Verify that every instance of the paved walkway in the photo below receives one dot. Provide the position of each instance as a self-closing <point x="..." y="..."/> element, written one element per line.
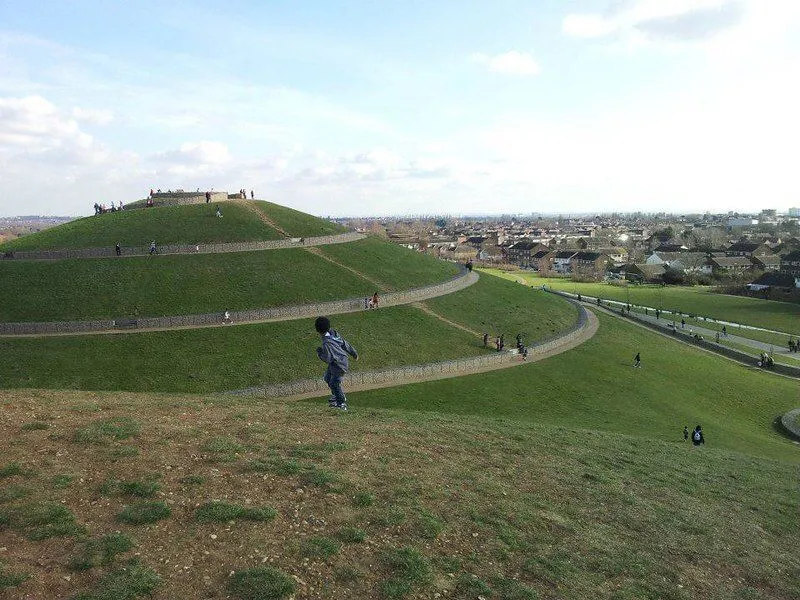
<point x="221" y="248"/>
<point x="370" y="380"/>
<point x="708" y="334"/>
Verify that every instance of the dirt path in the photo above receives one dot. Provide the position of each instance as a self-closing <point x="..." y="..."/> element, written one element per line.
<point x="249" y="205"/>
<point x="427" y="310"/>
<point x="380" y="286"/>
<point x="514" y="360"/>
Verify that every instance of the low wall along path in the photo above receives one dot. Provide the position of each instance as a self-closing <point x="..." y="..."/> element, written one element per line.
<point x="583" y="330"/>
<point x="261" y="315"/>
<point x="324" y="240"/>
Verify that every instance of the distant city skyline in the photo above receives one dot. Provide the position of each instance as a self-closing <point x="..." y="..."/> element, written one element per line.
<point x="357" y="108"/>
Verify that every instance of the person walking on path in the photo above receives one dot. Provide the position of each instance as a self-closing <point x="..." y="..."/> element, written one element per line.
<point x="375" y="300"/>
<point x="153" y="247"/>
<point x="485" y="339"/>
<point x="685" y="433"/>
<point x="725" y="330"/>
<point x="683" y="324"/>
<point x="637" y="360"/>
<point x="334" y="351"/>
<point x="502" y="341"/>
<point x="118" y="249"/>
<point x="697" y="436"/>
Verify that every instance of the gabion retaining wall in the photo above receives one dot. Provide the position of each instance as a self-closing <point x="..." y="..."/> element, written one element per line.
<point x="414" y="373"/>
<point x="684" y="336"/>
<point x="323" y="240"/>
<point x="278" y="313"/>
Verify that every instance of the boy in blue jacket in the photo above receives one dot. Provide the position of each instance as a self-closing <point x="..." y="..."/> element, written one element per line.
<point x="335" y="352"/>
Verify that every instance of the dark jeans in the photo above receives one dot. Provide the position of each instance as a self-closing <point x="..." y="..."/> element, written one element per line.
<point x="334" y="382"/>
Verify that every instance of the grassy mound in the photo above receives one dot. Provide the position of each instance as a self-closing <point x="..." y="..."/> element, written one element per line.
<point x="194" y="224"/>
<point x="496" y="306"/>
<point x="459" y="505"/>
<point x="228" y="358"/>
<point x="395" y="267"/>
<point x="296" y="223"/>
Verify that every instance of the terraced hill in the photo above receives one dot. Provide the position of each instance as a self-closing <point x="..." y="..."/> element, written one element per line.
<point x="219" y="357"/>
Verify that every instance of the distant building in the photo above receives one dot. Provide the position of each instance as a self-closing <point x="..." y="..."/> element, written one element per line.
<point x="730" y="265"/>
<point x="794" y="212"/>
<point x="790" y="264"/>
<point x="748" y="249"/>
<point x="522" y="253"/>
<point x="589" y="264"/>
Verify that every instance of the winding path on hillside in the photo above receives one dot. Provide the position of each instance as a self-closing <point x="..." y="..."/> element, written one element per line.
<point x="242" y="317"/>
<point x="583" y="330"/>
<point x="170" y="249"/>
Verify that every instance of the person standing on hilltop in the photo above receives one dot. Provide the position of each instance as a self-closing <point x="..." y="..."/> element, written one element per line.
<point x="252" y="195"/>
<point x="334" y="351"/>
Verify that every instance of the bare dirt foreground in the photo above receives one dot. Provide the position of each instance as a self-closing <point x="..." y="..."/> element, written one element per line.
<point x="122" y="496"/>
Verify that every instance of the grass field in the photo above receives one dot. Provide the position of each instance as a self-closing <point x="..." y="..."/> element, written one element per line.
<point x="225" y="358"/>
<point x="296" y="223"/>
<point x="779" y="316"/>
<point x="595" y="386"/>
<point x="190" y="284"/>
<point x="194" y="224"/>
<point x="495" y="306"/>
<point x="396" y="267"/>
<point x="377" y="504"/>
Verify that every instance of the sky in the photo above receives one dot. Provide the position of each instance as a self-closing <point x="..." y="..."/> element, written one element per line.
<point x="389" y="107"/>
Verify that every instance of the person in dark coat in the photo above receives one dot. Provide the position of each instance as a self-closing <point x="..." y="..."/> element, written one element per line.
<point x="697" y="436"/>
<point x="685" y="433"/>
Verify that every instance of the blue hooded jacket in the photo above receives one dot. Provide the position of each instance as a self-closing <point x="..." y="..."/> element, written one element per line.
<point x="336" y="351"/>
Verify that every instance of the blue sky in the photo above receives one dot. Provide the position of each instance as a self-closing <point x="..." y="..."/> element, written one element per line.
<point x="388" y="107"/>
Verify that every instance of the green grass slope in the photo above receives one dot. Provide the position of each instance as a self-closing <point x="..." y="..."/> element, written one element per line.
<point x="82" y="289"/>
<point x="296" y="223"/>
<point x="193" y="224"/>
<point x="225" y="358"/>
<point x="595" y="386"/>
<point x="780" y="316"/>
<point x="396" y="267"/>
<point x="496" y="306"/>
<point x="379" y="504"/>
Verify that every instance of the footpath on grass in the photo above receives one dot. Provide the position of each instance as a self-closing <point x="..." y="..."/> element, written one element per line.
<point x="242" y="317"/>
<point x="692" y="329"/>
<point x="221" y="248"/>
<point x="585" y="327"/>
<point x="665" y="327"/>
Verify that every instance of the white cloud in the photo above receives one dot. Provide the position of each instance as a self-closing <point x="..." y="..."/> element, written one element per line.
<point x="195" y="153"/>
<point x="678" y="20"/>
<point x="93" y="116"/>
<point x="32" y="128"/>
<point x="509" y="63"/>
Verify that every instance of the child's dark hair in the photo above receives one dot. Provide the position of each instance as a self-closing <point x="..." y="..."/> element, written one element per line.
<point x="322" y="324"/>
